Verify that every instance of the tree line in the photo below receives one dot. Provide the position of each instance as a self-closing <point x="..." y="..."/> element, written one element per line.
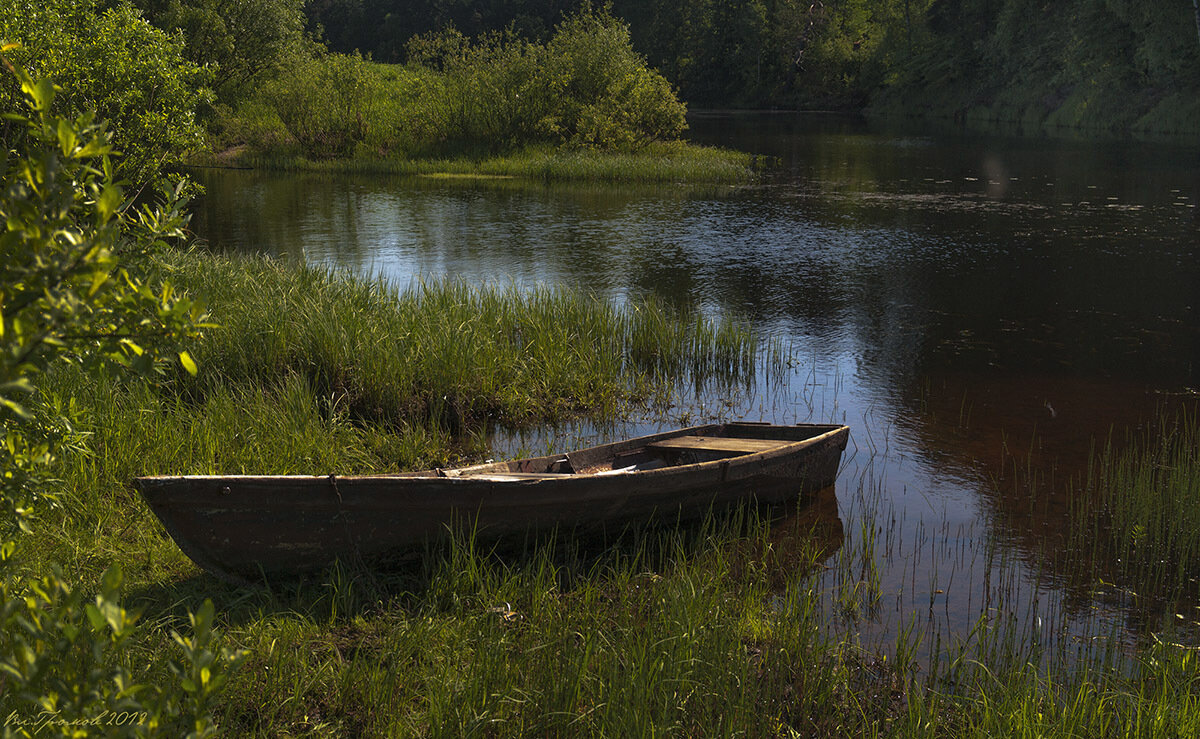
<point x="1100" y="63"/>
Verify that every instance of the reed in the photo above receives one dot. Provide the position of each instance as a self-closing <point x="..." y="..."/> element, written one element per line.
<point x="444" y="353"/>
<point x="1138" y="513"/>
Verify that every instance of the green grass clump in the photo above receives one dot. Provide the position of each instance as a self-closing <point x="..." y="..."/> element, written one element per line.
<point x="1140" y="509"/>
<point x="658" y="162"/>
<point x="444" y="353"/>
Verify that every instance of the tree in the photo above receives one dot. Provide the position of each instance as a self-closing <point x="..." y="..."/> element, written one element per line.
<point x="111" y="62"/>
<point x="239" y="42"/>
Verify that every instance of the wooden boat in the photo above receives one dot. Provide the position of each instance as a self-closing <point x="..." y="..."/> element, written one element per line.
<point x="244" y="527"/>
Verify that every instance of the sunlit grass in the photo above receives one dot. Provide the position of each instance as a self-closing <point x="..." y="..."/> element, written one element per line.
<point x="661" y="162"/>
<point x="446" y="353"/>
<point x="718" y="629"/>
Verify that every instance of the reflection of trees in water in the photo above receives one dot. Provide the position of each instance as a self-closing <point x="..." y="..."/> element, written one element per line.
<point x="1029" y="441"/>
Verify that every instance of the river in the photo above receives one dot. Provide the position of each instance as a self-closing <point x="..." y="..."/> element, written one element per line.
<point x="980" y="309"/>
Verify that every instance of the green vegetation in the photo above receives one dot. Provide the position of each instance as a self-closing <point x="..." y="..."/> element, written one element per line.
<point x="1140" y="511"/>
<point x="1112" y="65"/>
<point x="499" y="104"/>
<point x="71" y="291"/>
<point x="658" y="162"/>
<point x="110" y="368"/>
<point x="240" y="44"/>
<point x="143" y="89"/>
<point x="445" y="354"/>
<point x="727" y="627"/>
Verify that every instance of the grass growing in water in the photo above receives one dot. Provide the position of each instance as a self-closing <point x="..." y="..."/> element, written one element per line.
<point x="443" y="352"/>
<point x="1140" y="509"/>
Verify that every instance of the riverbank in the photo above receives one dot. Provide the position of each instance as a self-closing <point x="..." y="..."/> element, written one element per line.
<point x="739" y="625"/>
<point x="657" y="162"/>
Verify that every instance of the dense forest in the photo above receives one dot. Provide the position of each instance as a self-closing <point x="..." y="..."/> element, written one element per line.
<point x="1114" y="64"/>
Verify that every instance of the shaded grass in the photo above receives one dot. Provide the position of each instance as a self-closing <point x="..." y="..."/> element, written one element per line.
<point x="659" y="162"/>
<point x="1139" y="509"/>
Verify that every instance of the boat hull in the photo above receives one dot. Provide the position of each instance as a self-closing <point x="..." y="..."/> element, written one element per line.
<point x="247" y="527"/>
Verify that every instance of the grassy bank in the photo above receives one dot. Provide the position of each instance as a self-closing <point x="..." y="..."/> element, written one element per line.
<point x="661" y="162"/>
<point x="309" y="369"/>
<point x="444" y="352"/>
<point x="731" y="627"/>
<point x="582" y="105"/>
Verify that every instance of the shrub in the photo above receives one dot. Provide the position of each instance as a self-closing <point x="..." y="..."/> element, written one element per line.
<point x="66" y="294"/>
<point x="585" y="88"/>
<point x="111" y="62"/>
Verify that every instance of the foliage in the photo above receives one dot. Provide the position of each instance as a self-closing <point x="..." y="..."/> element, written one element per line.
<point x="1098" y="63"/>
<point x="109" y="61"/>
<point x="66" y="294"/>
<point x="240" y="43"/>
<point x="607" y="96"/>
<point x="586" y="87"/>
<point x="325" y="108"/>
<point x="1110" y="65"/>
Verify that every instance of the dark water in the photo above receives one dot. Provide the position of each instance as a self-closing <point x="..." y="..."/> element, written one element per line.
<point x="962" y="302"/>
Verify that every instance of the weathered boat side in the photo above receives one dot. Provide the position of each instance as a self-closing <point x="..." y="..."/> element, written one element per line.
<point x="240" y="527"/>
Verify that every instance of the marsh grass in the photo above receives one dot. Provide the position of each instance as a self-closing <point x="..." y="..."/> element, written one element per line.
<point x="444" y="354"/>
<point x="1139" y="510"/>
<point x="657" y="162"/>
<point x="727" y="627"/>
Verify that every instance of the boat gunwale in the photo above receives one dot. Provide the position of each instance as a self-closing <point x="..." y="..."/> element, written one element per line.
<point x="567" y="477"/>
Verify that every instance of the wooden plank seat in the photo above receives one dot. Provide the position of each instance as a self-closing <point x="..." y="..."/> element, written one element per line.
<point x="500" y="476"/>
<point x="717" y="444"/>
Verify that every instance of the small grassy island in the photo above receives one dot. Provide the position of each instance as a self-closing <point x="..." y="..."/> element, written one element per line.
<point x="124" y="351"/>
<point x="582" y="105"/>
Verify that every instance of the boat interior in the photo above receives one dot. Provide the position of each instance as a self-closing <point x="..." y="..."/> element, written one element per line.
<point x="702" y="444"/>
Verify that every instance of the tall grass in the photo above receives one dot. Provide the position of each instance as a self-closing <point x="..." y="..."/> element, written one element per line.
<point x="1138" y="513"/>
<point x="656" y="162"/>
<point x="727" y="628"/>
<point x="444" y="352"/>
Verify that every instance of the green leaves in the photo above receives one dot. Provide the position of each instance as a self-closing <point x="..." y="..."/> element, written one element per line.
<point x="113" y="62"/>
<point x="72" y="271"/>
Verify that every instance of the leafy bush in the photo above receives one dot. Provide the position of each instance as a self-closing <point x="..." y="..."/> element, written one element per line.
<point x="65" y="294"/>
<point x="608" y="96"/>
<point x="241" y="43"/>
<point x="112" y="62"/>
<point x="326" y="104"/>
<point x="585" y="88"/>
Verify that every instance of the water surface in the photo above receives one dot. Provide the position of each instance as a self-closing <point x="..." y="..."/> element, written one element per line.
<point x="961" y="301"/>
